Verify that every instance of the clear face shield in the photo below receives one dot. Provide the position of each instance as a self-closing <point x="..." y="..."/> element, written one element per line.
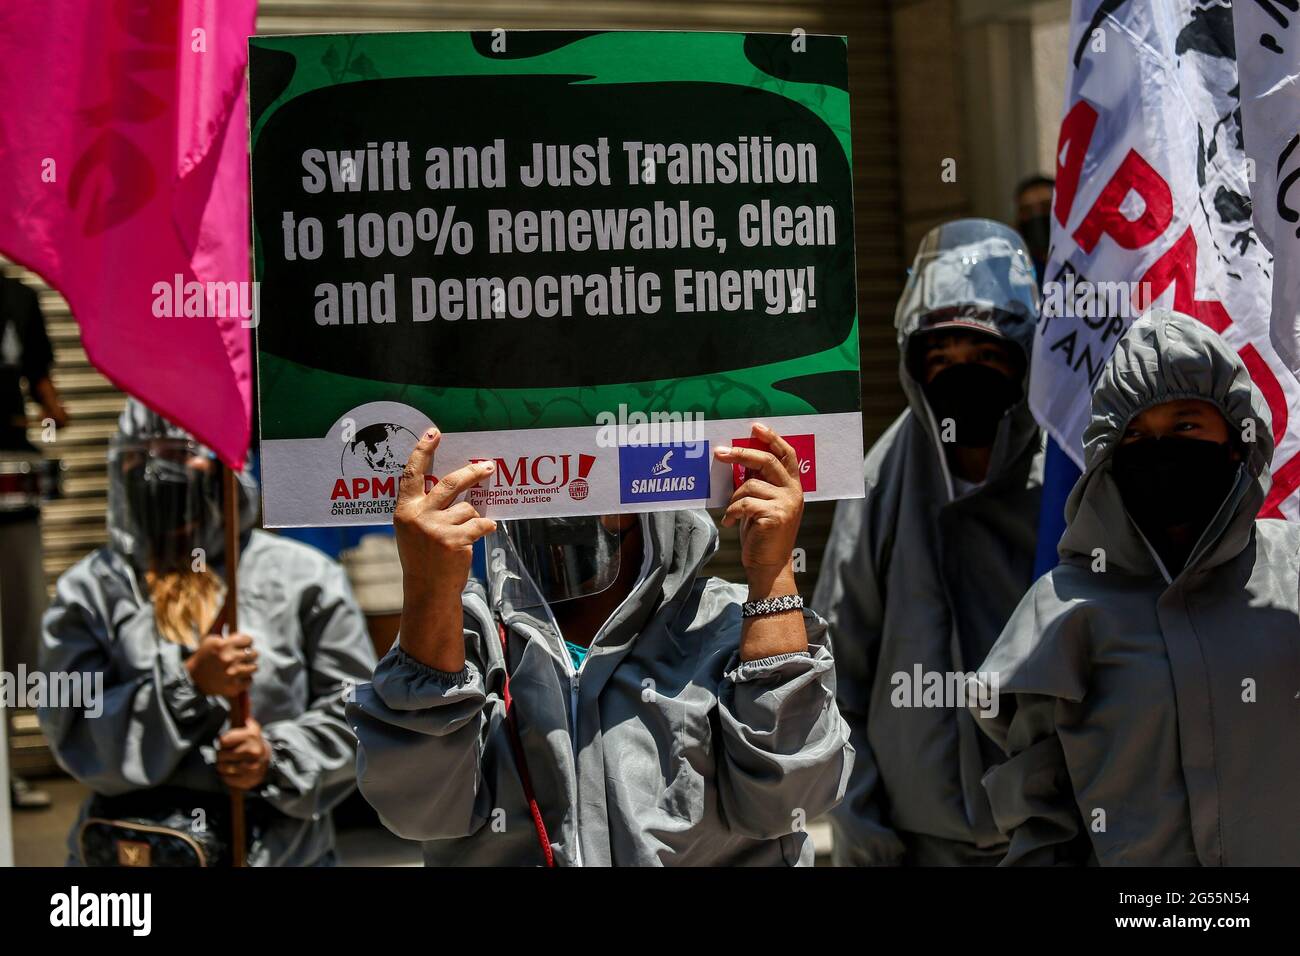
<point x="165" y="495"/>
<point x="972" y="273"/>
<point x="550" y="560"/>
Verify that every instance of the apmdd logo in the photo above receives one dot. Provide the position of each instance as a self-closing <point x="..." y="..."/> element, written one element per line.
<point x="369" y="468"/>
<point x="663" y="472"/>
<point x="805" y="447"/>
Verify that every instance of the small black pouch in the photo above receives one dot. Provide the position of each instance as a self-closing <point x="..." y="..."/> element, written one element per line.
<point x="160" y="827"/>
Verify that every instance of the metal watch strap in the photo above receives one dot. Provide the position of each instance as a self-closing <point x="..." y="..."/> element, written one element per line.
<point x="772" y="605"/>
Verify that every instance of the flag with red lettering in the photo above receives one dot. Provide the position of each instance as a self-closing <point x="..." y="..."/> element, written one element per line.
<point x="124" y="159"/>
<point x="1152" y="208"/>
<point x="1268" y="36"/>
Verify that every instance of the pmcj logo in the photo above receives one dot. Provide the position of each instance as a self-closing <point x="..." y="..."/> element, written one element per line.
<point x="663" y="472"/>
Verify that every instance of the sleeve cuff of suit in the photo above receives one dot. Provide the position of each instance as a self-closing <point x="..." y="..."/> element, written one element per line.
<point x="279" y="783"/>
<point x="403" y="683"/>
<point x="778" y="665"/>
<point x="184" y="700"/>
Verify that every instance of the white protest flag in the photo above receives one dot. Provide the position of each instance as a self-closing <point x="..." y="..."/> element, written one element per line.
<point x="1268" y="41"/>
<point x="1152" y="209"/>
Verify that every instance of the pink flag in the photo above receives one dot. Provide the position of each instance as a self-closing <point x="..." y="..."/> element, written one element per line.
<point x="124" y="159"/>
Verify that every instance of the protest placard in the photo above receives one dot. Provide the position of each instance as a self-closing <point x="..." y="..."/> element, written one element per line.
<point x="592" y="257"/>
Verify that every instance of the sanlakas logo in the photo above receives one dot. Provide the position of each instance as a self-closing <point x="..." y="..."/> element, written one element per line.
<point x="663" y="472"/>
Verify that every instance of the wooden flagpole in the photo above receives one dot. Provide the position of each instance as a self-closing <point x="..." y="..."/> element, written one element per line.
<point x="239" y="704"/>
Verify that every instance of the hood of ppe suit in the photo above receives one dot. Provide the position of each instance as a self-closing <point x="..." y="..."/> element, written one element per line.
<point x="1166" y="356"/>
<point x="140" y="423"/>
<point x="1122" y="687"/>
<point x="975" y="274"/>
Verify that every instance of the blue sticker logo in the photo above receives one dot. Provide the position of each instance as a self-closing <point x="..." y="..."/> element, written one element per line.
<point x="663" y="472"/>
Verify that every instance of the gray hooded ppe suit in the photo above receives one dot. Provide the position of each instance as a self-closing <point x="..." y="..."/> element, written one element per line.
<point x="1152" y="721"/>
<point x="157" y="729"/>
<point x="663" y="749"/>
<point x="918" y="578"/>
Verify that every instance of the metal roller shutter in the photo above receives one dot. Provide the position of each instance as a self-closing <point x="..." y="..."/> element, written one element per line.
<point x="74" y="525"/>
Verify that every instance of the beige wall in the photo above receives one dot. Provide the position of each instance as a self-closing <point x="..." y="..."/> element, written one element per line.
<point x="931" y="110"/>
<point x="1051" y="40"/>
<point x="982" y="82"/>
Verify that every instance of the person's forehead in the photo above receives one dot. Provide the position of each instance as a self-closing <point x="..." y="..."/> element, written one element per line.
<point x="1183" y="408"/>
<point x="949" y="338"/>
<point x="1035" y="194"/>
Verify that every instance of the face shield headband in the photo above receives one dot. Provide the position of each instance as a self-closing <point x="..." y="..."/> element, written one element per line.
<point x="972" y="271"/>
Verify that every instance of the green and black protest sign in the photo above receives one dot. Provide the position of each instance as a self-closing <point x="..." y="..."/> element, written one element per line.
<point x="590" y="256"/>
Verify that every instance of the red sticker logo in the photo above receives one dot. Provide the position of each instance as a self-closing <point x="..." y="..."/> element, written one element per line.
<point x="804" y="446"/>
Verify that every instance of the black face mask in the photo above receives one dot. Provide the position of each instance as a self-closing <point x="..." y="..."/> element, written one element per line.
<point x="1173" y="482"/>
<point x="975" y="397"/>
<point x="173" y="510"/>
<point x="1037" y="233"/>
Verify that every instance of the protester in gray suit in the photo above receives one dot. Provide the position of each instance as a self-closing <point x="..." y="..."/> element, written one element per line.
<point x="142" y="612"/>
<point x="1148" y="684"/>
<point x="650" y="720"/>
<point x="920" y="576"/>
